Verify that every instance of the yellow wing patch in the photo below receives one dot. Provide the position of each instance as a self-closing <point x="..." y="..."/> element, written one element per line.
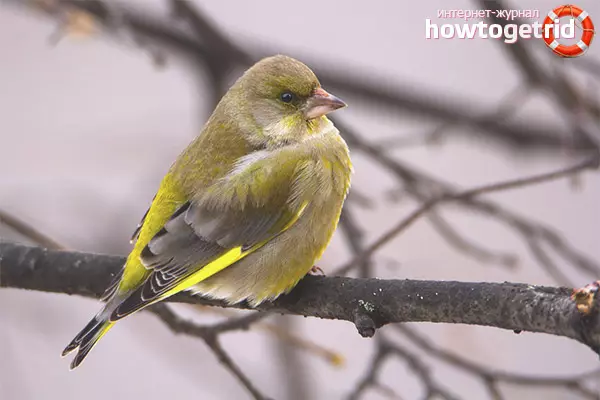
<point x="226" y="260"/>
<point x="209" y="270"/>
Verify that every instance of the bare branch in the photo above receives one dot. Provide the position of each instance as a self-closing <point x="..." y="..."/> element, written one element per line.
<point x="292" y="339"/>
<point x="371" y="376"/>
<point x="210" y="335"/>
<point x="467" y="195"/>
<point x="206" y="45"/>
<point x="355" y="236"/>
<point x="426" y="189"/>
<point x="464" y="245"/>
<point x="361" y="301"/>
<point x="492" y="378"/>
<point x="432" y="388"/>
<point x="28" y="231"/>
<point x="563" y="91"/>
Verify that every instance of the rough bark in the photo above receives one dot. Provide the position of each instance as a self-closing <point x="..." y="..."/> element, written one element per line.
<point x="368" y="303"/>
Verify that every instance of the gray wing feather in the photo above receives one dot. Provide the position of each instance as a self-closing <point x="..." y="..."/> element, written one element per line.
<point x="192" y="238"/>
<point x="235" y="228"/>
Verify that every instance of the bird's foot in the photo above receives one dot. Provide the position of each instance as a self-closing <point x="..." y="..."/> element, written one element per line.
<point x="316" y="271"/>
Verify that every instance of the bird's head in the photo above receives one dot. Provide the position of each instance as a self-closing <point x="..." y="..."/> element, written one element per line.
<point x="285" y="99"/>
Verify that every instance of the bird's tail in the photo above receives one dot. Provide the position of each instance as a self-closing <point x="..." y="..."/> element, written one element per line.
<point x="87" y="338"/>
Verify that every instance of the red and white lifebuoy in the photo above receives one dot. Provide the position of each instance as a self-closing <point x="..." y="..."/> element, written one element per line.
<point x="586" y="39"/>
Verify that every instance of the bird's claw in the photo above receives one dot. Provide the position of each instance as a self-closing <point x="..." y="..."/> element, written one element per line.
<point x="316" y="271"/>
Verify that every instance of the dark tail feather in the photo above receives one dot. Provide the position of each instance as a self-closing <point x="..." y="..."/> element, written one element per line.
<point x="86" y="339"/>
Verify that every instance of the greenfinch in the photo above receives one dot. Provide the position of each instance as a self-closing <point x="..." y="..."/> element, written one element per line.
<point x="247" y="208"/>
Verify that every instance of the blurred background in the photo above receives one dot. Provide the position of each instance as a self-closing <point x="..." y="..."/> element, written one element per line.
<point x="98" y="99"/>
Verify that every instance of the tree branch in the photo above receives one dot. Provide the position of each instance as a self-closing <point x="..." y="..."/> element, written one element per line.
<point x="210" y="335"/>
<point x="493" y="378"/>
<point x="28" y="231"/>
<point x="466" y="195"/>
<point x="206" y="44"/>
<point x="368" y="303"/>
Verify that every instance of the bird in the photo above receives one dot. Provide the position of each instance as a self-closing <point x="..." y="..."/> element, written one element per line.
<point x="246" y="209"/>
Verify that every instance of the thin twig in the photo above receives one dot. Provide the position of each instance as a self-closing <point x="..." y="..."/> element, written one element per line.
<point x="423" y="188"/>
<point x="432" y="388"/>
<point x="29" y="232"/>
<point x="210" y="335"/>
<point x="355" y="237"/>
<point x="490" y="377"/>
<point x="371" y="375"/>
<point x="464" y="195"/>
<point x="398" y="98"/>
<point x="228" y="362"/>
<point x="289" y="338"/>
<point x="452" y="236"/>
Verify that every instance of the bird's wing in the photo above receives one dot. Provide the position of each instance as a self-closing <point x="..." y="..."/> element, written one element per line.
<point x="262" y="197"/>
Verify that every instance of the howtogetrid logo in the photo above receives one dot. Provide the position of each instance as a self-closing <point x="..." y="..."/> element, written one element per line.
<point x="552" y="31"/>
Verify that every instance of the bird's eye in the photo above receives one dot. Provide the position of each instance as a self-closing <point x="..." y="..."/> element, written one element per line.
<point x="287" y="97"/>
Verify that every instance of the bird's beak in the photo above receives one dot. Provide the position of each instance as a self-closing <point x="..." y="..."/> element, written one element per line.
<point x="320" y="103"/>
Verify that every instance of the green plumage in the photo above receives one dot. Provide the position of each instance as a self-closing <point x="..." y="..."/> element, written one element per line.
<point x="247" y="208"/>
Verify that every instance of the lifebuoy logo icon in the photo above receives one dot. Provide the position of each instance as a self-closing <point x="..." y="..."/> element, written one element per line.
<point x="551" y="28"/>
